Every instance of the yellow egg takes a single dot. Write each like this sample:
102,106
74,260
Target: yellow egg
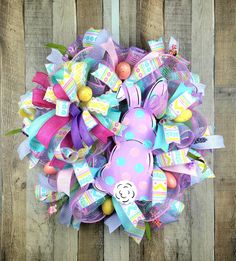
30,113
184,116
107,207
85,94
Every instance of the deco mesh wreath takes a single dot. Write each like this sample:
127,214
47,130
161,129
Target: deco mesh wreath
116,133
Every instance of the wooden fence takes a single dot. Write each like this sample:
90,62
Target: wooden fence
207,34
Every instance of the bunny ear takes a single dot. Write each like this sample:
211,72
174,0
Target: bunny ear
131,93
156,100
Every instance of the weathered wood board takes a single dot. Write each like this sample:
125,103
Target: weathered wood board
206,31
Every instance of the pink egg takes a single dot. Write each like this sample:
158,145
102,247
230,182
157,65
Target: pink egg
171,181
50,170
123,70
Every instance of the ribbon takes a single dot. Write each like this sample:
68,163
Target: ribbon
157,45
50,128
209,142
62,108
173,157
90,37
41,79
64,180
106,75
101,132
83,173
46,195
38,99
136,231
159,186
26,107
79,130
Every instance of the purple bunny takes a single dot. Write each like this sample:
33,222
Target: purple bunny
127,175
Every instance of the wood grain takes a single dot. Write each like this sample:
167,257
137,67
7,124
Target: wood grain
64,32
12,85
107,17
38,32
202,195
90,244
151,23
116,245
26,26
90,247
89,14
178,24
128,12
151,26
225,107
64,21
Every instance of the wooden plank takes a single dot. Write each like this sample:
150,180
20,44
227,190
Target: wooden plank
12,84
90,244
38,31
178,19
116,245
89,14
202,195
64,21
225,183
64,32
107,18
128,11
149,26
225,107
177,236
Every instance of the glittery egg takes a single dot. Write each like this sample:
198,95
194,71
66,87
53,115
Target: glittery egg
85,94
123,70
50,170
107,207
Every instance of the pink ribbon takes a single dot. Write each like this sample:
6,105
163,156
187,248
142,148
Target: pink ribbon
42,79
50,128
37,99
59,92
101,132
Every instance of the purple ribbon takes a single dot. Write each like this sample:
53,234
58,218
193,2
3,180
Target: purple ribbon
79,131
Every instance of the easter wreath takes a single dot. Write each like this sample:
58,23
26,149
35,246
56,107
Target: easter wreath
116,133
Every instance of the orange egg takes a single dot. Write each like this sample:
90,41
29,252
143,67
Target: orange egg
50,170
171,180
123,70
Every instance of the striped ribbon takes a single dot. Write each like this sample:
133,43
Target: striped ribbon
157,45
83,173
172,158
159,186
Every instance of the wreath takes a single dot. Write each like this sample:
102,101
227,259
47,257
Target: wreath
116,133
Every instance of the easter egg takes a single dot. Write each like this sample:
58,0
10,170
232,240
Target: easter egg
171,181
30,113
85,94
50,170
107,207
184,116
123,70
